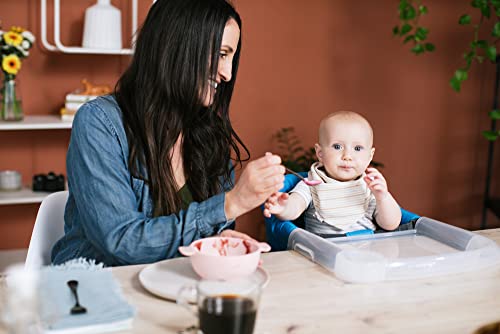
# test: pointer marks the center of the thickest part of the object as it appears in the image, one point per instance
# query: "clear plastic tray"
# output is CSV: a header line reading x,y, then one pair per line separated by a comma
x,y
432,248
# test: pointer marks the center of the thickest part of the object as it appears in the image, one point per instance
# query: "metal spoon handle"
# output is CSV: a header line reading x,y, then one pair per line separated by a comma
x,y
310,183
295,173
73,285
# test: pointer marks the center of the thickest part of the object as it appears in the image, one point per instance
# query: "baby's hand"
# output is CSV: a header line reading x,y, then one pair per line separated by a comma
x,y
275,204
376,183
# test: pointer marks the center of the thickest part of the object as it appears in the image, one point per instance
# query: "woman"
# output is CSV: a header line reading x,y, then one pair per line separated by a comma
x,y
149,167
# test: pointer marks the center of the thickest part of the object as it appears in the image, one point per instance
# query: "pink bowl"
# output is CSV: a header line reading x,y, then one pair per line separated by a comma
x,y
224,258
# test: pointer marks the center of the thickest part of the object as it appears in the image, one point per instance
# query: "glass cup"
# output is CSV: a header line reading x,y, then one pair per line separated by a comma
x,y
223,307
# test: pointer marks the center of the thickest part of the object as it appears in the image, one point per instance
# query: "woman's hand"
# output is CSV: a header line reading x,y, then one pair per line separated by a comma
x,y
236,234
259,180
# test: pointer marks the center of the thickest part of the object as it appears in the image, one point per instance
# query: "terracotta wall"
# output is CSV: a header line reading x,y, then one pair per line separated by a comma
x,y
301,60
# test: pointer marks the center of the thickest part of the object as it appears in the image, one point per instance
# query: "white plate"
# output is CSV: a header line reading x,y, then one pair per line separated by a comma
x,y
166,278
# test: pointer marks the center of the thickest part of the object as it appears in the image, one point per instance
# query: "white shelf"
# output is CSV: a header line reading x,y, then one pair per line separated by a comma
x,y
58,46
24,196
47,122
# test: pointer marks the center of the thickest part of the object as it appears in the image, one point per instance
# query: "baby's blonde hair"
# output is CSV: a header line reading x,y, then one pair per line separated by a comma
x,y
343,115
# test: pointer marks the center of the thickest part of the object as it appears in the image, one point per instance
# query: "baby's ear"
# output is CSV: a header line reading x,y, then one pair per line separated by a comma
x,y
372,153
319,152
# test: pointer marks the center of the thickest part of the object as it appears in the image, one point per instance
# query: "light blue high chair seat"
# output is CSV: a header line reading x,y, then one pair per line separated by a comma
x,y
278,231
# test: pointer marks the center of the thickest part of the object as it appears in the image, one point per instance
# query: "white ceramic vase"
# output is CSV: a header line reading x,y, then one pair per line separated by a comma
x,y
103,27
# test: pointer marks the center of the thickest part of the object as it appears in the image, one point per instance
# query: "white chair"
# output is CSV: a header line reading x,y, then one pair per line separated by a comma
x,y
49,227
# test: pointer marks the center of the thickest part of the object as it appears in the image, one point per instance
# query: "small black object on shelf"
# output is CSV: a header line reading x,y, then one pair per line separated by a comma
x,y
48,182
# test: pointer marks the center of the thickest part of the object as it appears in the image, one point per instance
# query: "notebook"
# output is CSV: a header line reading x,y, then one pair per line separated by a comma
x,y
98,292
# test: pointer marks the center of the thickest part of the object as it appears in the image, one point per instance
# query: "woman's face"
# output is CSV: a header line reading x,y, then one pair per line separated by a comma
x,y
229,44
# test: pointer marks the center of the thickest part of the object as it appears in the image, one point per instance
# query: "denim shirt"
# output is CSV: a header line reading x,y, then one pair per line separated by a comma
x,y
109,213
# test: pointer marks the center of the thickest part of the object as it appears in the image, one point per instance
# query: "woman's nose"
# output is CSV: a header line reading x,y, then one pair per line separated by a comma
x,y
225,68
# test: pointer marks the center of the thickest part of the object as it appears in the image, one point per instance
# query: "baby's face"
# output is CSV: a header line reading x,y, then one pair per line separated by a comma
x,y
345,148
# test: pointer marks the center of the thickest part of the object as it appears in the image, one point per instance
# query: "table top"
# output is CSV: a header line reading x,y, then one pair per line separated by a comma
x,y
303,297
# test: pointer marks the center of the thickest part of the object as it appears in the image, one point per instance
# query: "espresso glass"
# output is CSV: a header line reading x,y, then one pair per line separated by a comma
x,y
223,307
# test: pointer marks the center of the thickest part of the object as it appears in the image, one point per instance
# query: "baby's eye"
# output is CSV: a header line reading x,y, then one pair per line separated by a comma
x,y
337,146
358,148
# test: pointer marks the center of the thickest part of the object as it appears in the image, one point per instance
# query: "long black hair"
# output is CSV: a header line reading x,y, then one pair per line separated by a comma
x,y
160,94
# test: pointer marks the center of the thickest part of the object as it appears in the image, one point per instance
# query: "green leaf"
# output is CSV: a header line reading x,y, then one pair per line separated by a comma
x,y
429,47
406,28
491,53
408,38
455,84
480,43
494,114
409,13
486,11
460,75
418,49
496,30
491,135
402,5
395,30
469,57
476,3
464,19
495,3
421,34
480,59
423,9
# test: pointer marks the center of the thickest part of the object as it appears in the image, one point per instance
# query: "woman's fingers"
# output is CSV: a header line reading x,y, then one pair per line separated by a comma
x,y
258,181
266,174
236,234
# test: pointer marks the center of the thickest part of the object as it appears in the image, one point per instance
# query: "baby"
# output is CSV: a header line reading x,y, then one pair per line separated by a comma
x,y
351,196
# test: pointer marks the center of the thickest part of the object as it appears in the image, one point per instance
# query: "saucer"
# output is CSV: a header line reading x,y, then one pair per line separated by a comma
x,y
166,278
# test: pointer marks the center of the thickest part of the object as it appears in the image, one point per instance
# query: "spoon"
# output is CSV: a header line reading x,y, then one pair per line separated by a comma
x,y
304,179
77,308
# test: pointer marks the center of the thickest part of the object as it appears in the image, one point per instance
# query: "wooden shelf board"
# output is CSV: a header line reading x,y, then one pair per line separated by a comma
x,y
23,196
42,122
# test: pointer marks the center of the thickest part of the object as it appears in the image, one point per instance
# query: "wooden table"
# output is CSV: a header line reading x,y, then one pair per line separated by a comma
x,y
303,297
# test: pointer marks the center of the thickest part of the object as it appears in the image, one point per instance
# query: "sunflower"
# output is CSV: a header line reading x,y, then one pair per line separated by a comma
x,y
12,38
17,29
11,64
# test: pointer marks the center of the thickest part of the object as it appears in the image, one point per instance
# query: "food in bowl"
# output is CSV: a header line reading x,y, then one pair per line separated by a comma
x,y
224,258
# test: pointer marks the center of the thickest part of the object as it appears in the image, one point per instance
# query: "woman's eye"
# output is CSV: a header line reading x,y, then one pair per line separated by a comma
x,y
358,148
337,146
223,55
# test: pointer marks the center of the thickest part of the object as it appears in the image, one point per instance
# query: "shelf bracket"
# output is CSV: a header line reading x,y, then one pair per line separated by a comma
x,y
60,47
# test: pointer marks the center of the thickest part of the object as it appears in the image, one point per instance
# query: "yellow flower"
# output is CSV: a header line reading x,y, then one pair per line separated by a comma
x,y
17,29
12,38
11,64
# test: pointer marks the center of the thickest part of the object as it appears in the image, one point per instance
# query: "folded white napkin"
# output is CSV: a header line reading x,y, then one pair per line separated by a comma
x,y
98,292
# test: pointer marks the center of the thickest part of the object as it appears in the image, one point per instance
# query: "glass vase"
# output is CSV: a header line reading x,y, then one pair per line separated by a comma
x,y
11,103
